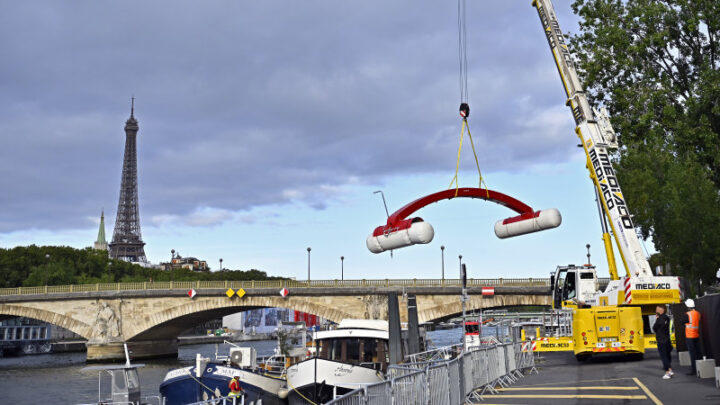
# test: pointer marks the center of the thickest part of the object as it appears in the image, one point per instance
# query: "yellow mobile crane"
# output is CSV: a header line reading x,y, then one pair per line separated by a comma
x,y
610,320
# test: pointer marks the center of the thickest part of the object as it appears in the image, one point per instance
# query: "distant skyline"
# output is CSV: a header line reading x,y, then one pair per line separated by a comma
x,y
265,128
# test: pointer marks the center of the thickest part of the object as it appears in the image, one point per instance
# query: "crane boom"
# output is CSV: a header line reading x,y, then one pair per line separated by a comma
x,y
595,131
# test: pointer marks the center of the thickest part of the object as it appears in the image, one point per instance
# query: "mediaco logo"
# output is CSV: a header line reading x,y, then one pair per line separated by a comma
x,y
609,186
554,345
652,286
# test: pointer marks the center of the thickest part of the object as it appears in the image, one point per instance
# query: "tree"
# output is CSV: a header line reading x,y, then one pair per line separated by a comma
x,y
656,65
60,265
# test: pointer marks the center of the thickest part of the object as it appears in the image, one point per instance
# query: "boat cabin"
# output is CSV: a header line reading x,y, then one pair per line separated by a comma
x,y
358,342
124,384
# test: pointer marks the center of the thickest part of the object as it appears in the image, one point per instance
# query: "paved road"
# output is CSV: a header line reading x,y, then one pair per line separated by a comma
x,y
609,380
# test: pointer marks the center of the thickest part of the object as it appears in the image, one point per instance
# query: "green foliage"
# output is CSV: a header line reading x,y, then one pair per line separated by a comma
x,y
60,265
655,65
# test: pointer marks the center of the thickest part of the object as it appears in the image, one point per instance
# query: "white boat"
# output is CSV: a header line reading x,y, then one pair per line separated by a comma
x,y
354,354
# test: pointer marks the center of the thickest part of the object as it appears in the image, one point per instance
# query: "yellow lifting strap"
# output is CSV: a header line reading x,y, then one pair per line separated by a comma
x,y
481,182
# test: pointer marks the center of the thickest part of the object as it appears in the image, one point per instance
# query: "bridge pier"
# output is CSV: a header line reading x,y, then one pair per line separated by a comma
x,y
142,349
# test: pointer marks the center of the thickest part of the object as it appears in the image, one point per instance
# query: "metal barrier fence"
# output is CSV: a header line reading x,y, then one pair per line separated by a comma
x,y
186,285
441,382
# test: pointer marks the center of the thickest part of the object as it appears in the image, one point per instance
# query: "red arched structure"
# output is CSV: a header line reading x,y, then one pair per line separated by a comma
x,y
399,220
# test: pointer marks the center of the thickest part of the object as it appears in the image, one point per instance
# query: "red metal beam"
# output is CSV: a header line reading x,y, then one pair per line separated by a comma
x,y
465,192
398,218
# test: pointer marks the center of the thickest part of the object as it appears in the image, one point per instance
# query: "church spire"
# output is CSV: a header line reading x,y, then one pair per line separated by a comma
x,y
101,242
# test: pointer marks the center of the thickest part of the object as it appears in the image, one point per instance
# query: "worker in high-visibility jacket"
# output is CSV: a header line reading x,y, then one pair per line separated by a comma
x,y
692,333
236,389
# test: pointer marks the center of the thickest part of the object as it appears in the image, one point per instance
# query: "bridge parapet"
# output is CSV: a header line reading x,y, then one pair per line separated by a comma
x,y
278,284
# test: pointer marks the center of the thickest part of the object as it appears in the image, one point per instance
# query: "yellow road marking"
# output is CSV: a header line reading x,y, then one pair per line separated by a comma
x,y
566,388
580,381
647,391
570,396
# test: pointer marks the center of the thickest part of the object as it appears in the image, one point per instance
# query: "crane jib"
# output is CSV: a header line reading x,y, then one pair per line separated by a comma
x,y
609,186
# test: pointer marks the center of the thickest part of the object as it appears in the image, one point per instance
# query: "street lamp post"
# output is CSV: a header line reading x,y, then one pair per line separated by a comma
x,y
47,265
342,268
460,259
442,253
221,264
308,250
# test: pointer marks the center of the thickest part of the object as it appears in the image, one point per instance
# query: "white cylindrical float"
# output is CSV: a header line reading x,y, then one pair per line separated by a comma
x,y
418,232
528,223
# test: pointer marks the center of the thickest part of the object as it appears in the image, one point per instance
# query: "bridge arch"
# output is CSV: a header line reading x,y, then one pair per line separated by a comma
x,y
69,323
438,311
170,322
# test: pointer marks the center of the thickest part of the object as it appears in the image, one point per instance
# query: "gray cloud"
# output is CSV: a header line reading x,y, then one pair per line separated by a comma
x,y
244,104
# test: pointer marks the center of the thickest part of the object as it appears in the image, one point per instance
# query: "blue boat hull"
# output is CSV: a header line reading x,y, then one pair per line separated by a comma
x,y
182,387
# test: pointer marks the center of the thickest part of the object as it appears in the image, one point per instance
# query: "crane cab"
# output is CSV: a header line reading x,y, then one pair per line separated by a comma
x,y
573,286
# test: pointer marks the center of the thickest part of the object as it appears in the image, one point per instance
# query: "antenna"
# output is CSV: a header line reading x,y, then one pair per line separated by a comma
x,y
384,203
132,105
588,253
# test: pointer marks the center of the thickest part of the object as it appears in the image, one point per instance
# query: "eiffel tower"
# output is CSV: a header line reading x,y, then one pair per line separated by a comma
x,y
127,241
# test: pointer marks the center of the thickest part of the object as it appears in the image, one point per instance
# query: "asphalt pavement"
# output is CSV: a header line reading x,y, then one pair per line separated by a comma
x,y
561,379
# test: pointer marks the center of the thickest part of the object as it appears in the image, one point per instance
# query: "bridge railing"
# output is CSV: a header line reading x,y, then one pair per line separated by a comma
x,y
252,284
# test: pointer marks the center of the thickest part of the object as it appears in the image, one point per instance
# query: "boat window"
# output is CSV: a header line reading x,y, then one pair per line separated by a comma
x,y
353,350
118,378
343,350
472,328
34,335
2,333
132,377
26,333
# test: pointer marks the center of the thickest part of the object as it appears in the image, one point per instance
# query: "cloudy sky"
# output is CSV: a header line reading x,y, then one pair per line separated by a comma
x,y
266,126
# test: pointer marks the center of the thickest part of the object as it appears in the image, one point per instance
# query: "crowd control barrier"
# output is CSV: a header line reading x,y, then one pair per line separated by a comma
x,y
446,381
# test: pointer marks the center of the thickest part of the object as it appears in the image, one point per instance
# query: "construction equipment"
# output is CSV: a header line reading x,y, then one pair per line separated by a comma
x,y
612,320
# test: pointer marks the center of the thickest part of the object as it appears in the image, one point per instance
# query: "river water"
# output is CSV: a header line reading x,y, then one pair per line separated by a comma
x,y
59,379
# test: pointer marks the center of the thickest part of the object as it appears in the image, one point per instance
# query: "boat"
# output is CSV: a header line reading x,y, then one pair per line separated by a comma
x,y
124,384
354,354
262,380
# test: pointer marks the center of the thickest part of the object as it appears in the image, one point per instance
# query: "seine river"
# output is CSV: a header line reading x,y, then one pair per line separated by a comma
x,y
59,379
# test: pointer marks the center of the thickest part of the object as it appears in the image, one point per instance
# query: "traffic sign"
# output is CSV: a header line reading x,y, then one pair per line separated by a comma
x,y
240,292
230,292
192,293
284,292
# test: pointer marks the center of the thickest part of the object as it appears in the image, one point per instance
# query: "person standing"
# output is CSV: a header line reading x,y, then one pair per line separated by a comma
x,y
662,336
692,333
236,389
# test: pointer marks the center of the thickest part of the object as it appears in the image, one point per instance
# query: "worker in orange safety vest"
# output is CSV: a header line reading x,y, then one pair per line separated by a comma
x,y
692,333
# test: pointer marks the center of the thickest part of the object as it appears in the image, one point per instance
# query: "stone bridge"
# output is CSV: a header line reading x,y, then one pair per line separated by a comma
x,y
150,316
